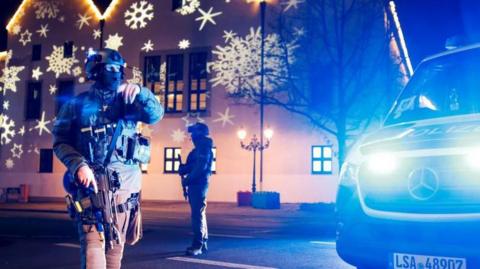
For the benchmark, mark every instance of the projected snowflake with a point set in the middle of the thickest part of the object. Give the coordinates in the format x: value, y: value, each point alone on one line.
x: 237, y: 65
x: 138, y: 14
x: 59, y: 64
x: 114, y: 42
x: 46, y: 9
x: 7, y: 131
x: 189, y: 7
x: 10, y: 77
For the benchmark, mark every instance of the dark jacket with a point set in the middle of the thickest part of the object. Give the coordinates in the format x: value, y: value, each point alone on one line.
x: 198, y: 167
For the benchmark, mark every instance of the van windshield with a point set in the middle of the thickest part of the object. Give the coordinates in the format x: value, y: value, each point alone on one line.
x: 445, y: 86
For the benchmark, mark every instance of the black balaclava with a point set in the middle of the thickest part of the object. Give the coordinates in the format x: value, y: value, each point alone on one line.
x: 107, y: 83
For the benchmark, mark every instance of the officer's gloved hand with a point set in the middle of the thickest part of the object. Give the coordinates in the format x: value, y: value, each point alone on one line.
x: 85, y: 177
x: 129, y: 91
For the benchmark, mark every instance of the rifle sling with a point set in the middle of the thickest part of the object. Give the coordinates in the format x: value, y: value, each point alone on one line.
x: 111, y: 147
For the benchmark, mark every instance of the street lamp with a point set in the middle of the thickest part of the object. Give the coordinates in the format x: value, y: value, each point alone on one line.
x: 253, y: 146
x: 263, y: 6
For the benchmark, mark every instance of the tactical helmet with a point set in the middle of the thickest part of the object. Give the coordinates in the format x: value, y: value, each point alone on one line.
x: 198, y: 129
x: 95, y: 58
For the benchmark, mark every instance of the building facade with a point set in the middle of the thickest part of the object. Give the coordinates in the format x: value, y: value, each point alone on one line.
x: 192, y: 57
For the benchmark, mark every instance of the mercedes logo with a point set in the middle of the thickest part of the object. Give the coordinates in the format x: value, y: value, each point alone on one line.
x: 423, y: 183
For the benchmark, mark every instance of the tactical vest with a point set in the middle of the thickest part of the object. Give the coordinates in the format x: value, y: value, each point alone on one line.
x: 96, y: 123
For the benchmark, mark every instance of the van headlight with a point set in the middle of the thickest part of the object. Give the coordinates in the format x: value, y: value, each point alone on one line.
x: 473, y: 159
x: 382, y: 163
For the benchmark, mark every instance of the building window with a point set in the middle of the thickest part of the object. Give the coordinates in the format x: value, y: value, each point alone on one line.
x: 214, y: 162
x: 198, y: 82
x: 36, y: 52
x: 68, y: 49
x: 174, y: 84
x: 176, y: 4
x: 179, y: 81
x: 46, y: 161
x: 171, y: 160
x: 66, y: 91
x: 151, y: 76
x: 33, y: 100
x: 322, y: 160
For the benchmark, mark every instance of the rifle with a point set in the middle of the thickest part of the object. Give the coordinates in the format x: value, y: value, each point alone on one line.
x: 100, y: 199
x: 104, y: 206
x: 183, y: 180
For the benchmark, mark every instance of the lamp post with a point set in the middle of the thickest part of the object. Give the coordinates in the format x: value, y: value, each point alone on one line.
x: 255, y: 145
x: 263, y: 6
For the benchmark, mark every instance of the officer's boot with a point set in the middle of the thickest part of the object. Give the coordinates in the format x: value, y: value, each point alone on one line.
x: 194, y: 250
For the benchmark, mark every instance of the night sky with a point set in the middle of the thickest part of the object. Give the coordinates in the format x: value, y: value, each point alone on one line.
x: 426, y: 23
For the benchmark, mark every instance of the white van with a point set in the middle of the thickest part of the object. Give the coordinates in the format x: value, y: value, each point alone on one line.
x: 409, y: 196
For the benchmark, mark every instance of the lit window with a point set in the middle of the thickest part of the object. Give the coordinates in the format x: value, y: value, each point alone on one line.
x: 322, y: 160
x: 198, y: 82
x: 174, y: 84
x: 214, y: 162
x: 172, y: 160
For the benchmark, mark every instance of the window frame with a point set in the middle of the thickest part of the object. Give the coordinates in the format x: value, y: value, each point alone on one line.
x: 214, y: 161
x: 36, y: 49
x: 176, y: 81
x: 186, y: 74
x: 58, y: 104
x: 28, y: 106
x: 42, y: 161
x: 173, y: 159
x: 198, y: 92
x: 322, y: 159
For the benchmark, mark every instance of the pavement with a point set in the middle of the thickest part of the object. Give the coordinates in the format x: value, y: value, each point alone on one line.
x: 313, y: 222
x: 294, y: 236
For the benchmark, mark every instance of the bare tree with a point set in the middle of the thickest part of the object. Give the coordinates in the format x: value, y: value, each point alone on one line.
x: 336, y: 69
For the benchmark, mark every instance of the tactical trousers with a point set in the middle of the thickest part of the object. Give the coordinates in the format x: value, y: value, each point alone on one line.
x: 92, y: 249
x: 197, y: 197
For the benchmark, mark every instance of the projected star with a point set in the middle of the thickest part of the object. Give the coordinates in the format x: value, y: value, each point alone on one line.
x: 207, y: 17
x: 83, y: 20
x: 147, y: 46
x: 42, y: 125
x: 96, y: 34
x: 225, y: 117
x: 228, y: 35
x: 292, y: 3
x: 43, y: 30
x: 36, y: 73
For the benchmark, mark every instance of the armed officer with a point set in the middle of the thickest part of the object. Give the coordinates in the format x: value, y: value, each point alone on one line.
x: 195, y: 174
x: 83, y: 134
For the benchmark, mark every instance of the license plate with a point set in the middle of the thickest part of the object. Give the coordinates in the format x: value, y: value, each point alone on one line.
x: 411, y: 261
